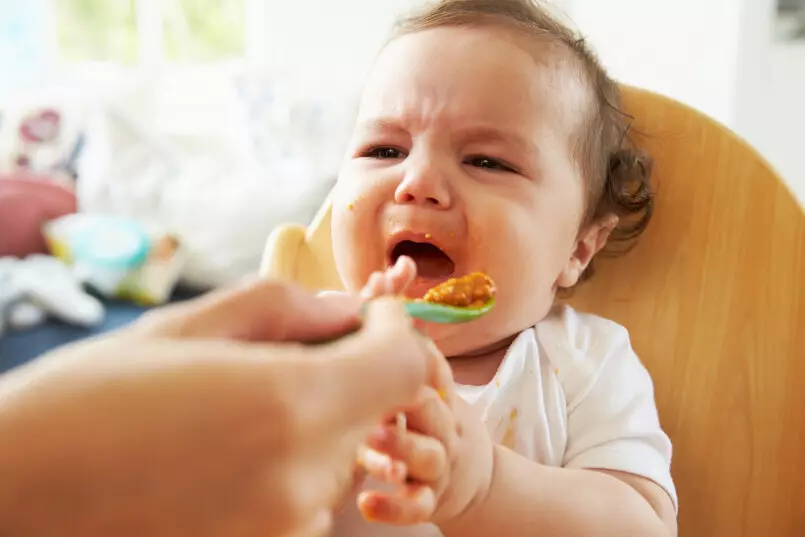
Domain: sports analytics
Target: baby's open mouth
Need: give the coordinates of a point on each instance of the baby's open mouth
(431, 261)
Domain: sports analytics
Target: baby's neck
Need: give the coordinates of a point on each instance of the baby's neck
(478, 368)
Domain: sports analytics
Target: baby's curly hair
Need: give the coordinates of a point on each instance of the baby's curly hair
(617, 172)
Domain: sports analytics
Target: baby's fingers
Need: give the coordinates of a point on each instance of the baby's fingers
(375, 287)
(393, 281)
(425, 457)
(433, 417)
(381, 466)
(413, 504)
(400, 276)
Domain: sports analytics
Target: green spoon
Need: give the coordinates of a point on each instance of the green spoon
(439, 313)
(434, 313)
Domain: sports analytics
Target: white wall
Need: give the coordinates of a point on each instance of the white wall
(686, 49)
(338, 37)
(770, 107)
(718, 56)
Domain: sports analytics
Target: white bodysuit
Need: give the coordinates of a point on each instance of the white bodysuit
(570, 392)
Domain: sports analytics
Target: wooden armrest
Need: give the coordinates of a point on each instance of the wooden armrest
(281, 254)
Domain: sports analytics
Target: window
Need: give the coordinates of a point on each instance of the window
(790, 20)
(96, 30)
(152, 31)
(204, 30)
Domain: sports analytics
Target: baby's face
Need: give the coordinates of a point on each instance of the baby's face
(462, 159)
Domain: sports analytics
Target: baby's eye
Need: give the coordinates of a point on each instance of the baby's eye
(384, 153)
(488, 163)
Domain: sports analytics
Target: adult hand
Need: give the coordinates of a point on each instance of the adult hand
(189, 424)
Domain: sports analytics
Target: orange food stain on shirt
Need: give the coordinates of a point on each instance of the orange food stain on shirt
(509, 437)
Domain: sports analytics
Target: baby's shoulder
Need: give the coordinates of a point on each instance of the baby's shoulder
(580, 332)
(585, 349)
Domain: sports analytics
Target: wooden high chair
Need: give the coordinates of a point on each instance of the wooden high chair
(714, 298)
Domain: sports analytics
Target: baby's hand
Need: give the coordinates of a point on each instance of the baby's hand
(392, 281)
(447, 453)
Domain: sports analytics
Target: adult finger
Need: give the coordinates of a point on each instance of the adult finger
(318, 526)
(262, 310)
(372, 372)
(440, 375)
(358, 478)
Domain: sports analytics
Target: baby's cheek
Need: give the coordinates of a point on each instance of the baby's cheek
(353, 243)
(352, 226)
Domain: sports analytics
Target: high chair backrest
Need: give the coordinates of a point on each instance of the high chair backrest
(714, 298)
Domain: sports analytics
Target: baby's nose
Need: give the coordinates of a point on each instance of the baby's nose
(424, 186)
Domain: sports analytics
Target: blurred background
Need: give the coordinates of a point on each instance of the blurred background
(211, 121)
(742, 61)
(262, 77)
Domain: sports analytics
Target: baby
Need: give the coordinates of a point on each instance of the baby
(490, 139)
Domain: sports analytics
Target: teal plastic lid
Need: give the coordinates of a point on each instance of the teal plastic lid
(113, 243)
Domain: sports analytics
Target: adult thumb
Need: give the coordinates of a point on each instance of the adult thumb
(261, 310)
(374, 371)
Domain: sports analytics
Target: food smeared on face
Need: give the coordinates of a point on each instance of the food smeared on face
(470, 291)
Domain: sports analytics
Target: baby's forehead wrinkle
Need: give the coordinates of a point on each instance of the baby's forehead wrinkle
(387, 107)
(558, 97)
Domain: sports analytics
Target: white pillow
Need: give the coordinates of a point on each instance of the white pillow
(219, 159)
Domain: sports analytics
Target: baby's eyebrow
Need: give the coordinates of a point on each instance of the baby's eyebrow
(495, 134)
(381, 124)
(465, 135)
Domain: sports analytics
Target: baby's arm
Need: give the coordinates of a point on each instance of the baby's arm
(616, 476)
(528, 499)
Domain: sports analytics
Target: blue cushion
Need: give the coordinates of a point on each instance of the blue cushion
(16, 348)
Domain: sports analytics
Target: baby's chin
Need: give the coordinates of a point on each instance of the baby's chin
(434, 331)
(453, 339)
(441, 334)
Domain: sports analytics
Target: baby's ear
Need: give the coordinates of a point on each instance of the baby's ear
(590, 242)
